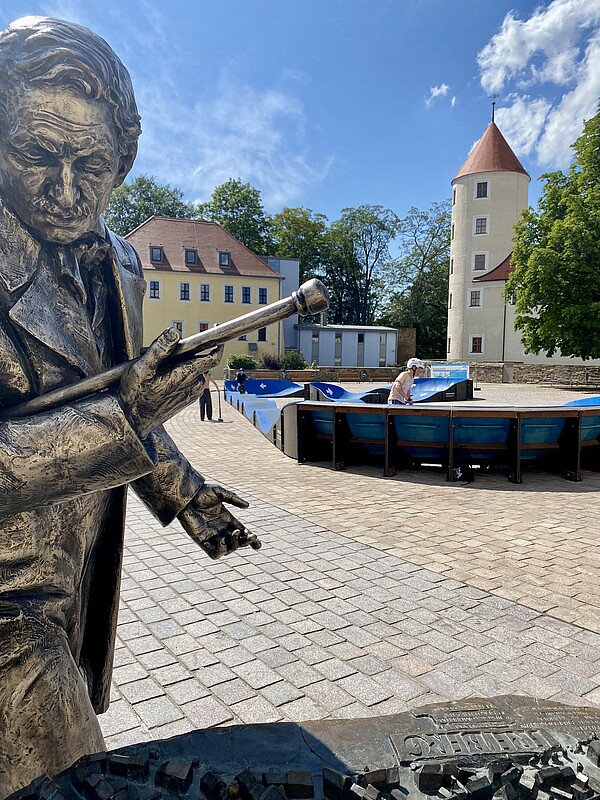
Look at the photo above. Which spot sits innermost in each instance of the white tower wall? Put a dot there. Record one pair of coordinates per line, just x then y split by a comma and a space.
507, 194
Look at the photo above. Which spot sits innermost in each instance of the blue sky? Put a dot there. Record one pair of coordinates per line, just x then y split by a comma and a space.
334, 103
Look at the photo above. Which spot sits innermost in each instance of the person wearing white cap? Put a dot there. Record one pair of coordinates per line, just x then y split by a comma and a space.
400, 393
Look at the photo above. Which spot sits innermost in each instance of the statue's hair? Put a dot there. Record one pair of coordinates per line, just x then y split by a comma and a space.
40, 51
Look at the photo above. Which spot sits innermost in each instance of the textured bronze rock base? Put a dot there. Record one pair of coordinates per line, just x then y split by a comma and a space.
503, 748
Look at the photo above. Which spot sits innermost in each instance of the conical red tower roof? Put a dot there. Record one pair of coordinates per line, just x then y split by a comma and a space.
492, 153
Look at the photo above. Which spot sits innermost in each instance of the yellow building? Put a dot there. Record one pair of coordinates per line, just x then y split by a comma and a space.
199, 275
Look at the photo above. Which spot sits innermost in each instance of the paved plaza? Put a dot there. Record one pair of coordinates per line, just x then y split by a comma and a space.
369, 596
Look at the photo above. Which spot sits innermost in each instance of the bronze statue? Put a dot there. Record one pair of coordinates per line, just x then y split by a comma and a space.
70, 308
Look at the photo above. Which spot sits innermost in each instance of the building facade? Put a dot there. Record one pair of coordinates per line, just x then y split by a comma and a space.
199, 275
348, 345
488, 195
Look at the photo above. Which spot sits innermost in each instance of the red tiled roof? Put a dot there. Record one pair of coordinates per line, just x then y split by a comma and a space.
499, 273
492, 153
175, 236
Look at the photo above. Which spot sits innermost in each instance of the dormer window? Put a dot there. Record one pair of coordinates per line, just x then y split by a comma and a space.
224, 258
156, 254
191, 257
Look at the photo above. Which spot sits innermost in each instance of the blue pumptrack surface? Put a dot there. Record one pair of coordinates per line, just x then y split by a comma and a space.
268, 387
423, 389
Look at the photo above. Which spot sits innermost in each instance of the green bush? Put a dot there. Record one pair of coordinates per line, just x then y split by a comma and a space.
270, 361
237, 360
293, 359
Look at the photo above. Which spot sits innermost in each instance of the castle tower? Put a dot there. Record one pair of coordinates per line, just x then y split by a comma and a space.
488, 194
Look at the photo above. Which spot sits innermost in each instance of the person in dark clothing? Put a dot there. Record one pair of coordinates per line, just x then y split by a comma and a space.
205, 398
241, 381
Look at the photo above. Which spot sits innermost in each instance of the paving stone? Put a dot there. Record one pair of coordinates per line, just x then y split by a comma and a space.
206, 712
256, 709
158, 711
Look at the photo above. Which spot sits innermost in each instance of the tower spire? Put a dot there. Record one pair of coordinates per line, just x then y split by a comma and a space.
494, 96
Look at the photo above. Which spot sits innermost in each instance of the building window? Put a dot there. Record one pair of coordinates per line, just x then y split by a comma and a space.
475, 298
205, 292
229, 294
191, 257
224, 259
479, 261
512, 298
262, 335
361, 338
450, 300
476, 344
481, 189
449, 343
262, 297
246, 294
452, 230
481, 225
242, 338
156, 254
337, 355
203, 326
177, 323
451, 266
184, 291
454, 196
154, 293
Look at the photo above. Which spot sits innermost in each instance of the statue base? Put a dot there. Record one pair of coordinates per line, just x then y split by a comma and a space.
502, 748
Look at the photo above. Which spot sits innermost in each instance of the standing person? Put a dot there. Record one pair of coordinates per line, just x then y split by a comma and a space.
241, 381
402, 386
71, 307
205, 398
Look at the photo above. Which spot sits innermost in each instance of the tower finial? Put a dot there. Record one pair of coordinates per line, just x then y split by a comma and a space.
494, 96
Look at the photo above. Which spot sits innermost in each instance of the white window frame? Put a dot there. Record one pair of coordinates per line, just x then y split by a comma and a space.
203, 322
488, 195
189, 292
225, 287
476, 336
475, 289
480, 253
200, 298
486, 217
153, 280
249, 292
175, 323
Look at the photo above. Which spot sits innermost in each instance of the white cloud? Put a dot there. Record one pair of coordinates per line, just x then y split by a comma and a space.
436, 91
239, 131
550, 66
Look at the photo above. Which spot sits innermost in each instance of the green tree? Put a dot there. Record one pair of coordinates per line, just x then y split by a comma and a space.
418, 278
362, 236
238, 208
556, 258
301, 233
132, 203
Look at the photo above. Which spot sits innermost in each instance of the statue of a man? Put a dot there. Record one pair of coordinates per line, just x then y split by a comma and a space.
71, 306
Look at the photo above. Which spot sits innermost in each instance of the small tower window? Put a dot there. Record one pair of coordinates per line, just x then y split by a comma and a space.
482, 189
479, 261
481, 225
476, 344
475, 298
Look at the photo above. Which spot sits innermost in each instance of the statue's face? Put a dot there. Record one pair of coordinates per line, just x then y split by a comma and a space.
58, 162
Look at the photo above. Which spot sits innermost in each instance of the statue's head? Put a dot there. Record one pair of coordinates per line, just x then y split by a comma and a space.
68, 126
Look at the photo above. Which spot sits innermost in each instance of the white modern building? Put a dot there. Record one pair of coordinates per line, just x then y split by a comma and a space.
348, 345
489, 193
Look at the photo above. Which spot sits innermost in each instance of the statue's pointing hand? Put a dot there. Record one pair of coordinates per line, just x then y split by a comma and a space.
153, 389
212, 526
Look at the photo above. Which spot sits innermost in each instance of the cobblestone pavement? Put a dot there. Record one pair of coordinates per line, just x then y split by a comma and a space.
370, 595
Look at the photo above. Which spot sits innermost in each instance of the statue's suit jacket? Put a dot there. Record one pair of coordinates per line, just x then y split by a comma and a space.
63, 473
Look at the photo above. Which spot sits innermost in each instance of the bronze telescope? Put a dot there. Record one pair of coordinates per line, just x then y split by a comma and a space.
310, 298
